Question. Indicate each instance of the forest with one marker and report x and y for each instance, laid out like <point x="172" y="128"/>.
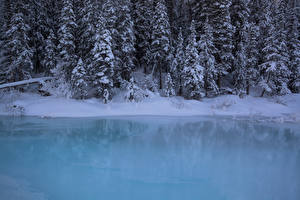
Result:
<point x="188" y="48"/>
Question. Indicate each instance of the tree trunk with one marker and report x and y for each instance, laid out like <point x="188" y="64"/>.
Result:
<point x="160" y="78"/>
<point x="180" y="87"/>
<point x="219" y="81"/>
<point x="248" y="88"/>
<point x="263" y="93"/>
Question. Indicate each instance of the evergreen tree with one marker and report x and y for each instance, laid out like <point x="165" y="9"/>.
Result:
<point x="207" y="59"/>
<point x="79" y="80"/>
<point x="222" y="32"/>
<point x="125" y="50"/>
<point x="252" y="51"/>
<point x="143" y="13"/>
<point x="39" y="30"/>
<point x="19" y="53"/>
<point x="49" y="61"/>
<point x="240" y="63"/>
<point x="169" y="88"/>
<point x="101" y="69"/>
<point x="160" y="45"/>
<point x="66" y="46"/>
<point x="239" y="20"/>
<point x="193" y="71"/>
<point x="273" y="70"/>
<point x="178" y="64"/>
<point x="86" y="30"/>
<point x="293" y="44"/>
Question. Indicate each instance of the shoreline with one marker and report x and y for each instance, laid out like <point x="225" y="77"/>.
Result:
<point x="286" y="108"/>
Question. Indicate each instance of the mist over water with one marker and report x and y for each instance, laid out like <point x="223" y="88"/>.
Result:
<point x="148" y="158"/>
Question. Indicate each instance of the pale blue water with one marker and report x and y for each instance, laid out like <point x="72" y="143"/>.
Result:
<point x="141" y="158"/>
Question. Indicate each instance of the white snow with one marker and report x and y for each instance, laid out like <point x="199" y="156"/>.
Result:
<point x="286" y="108"/>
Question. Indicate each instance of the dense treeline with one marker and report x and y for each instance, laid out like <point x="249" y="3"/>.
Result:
<point x="187" y="48"/>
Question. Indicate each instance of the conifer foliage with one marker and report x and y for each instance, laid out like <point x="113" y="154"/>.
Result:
<point x="171" y="47"/>
<point x="193" y="71"/>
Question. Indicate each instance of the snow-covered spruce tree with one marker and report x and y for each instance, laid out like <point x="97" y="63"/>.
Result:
<point x="134" y="93"/>
<point x="169" y="90"/>
<point x="101" y="69"/>
<point x="193" y="71"/>
<point x="19" y="53"/>
<point x="273" y="70"/>
<point x="222" y="32"/>
<point x="39" y="30"/>
<point x="66" y="46"/>
<point x="240" y="63"/>
<point x="86" y="30"/>
<point x="5" y="18"/>
<point x="252" y="51"/>
<point x="239" y="19"/>
<point x="142" y="15"/>
<point x="294" y="50"/>
<point x="202" y="10"/>
<point x="178" y="63"/>
<point x="125" y="51"/>
<point x="49" y="61"/>
<point x="66" y="50"/>
<point x="79" y="80"/>
<point x="160" y="46"/>
<point x="207" y="60"/>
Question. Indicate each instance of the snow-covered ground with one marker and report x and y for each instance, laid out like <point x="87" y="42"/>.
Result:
<point x="285" y="108"/>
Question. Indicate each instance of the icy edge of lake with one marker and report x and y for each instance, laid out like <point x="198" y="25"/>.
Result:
<point x="280" y="109"/>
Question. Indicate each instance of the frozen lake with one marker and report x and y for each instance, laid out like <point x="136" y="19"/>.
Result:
<point x="141" y="158"/>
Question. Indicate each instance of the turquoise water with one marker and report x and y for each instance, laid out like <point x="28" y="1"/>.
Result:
<point x="141" y="158"/>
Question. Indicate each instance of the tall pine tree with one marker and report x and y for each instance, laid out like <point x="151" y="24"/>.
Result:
<point x="160" y="46"/>
<point x="193" y="71"/>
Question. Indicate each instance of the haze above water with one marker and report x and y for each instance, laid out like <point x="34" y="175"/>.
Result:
<point x="141" y="158"/>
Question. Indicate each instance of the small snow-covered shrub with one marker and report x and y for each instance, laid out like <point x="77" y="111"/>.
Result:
<point x="169" y="90"/>
<point x="15" y="110"/>
<point x="57" y="88"/>
<point x="134" y="93"/>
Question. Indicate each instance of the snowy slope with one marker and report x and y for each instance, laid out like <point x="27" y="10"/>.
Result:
<point x="285" y="108"/>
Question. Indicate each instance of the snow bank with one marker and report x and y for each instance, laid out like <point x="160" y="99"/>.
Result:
<point x="285" y="108"/>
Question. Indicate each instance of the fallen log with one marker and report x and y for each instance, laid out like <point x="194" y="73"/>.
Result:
<point x="26" y="82"/>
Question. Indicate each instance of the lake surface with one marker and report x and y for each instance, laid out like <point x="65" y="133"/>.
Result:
<point x="141" y="158"/>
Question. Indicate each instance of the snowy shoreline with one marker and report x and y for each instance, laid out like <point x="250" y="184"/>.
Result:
<point x="286" y="108"/>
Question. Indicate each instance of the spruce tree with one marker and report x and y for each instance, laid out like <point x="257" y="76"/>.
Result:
<point x="142" y="15"/>
<point x="178" y="64"/>
<point x="253" y="57"/>
<point x="160" y="46"/>
<point x="101" y="69"/>
<point x="273" y="70"/>
<point x="207" y="59"/>
<point x="86" y="30"/>
<point x="39" y="30"/>
<point x="222" y="32"/>
<point x="169" y="90"/>
<point x="193" y="71"/>
<point x="50" y="57"/>
<point x="79" y="80"/>
<point x="125" y="51"/>
<point x="17" y="45"/>
<point x="66" y="46"/>
<point x="293" y="44"/>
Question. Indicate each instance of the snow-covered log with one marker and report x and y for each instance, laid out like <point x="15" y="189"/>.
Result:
<point x="25" y="82"/>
